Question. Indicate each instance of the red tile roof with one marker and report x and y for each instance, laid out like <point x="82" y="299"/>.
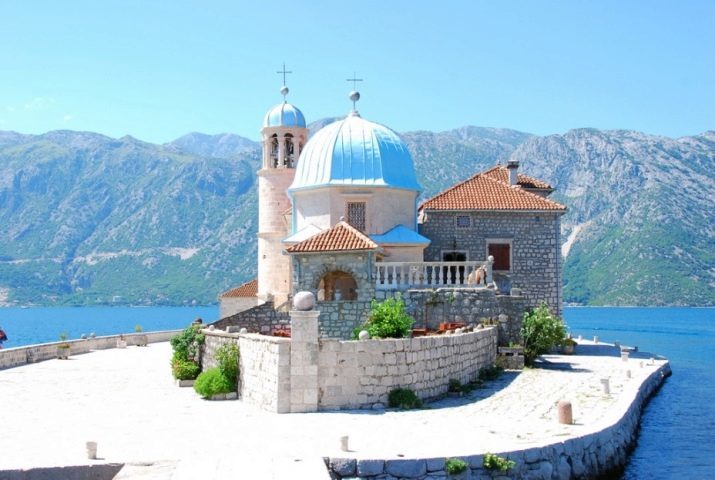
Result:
<point x="248" y="289"/>
<point x="501" y="173"/>
<point x="339" y="238"/>
<point x="484" y="192"/>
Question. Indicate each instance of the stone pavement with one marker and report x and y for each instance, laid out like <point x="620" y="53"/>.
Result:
<point x="125" y="399"/>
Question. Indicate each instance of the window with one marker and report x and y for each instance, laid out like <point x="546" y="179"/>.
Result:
<point x="502" y="255"/>
<point x="463" y="221"/>
<point x="356" y="215"/>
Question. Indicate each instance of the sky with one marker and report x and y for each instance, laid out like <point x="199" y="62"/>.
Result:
<point x="157" y="70"/>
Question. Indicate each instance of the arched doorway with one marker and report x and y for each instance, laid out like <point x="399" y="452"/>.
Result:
<point x="337" y="285"/>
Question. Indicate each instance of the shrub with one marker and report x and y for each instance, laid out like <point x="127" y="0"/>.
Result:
<point x="541" y="331"/>
<point x="455" y="386"/>
<point x="184" y="369"/>
<point x="388" y="319"/>
<point x="495" y="462"/>
<point x="187" y="344"/>
<point x="227" y="359"/>
<point x="212" y="382"/>
<point x="455" y="466"/>
<point x="403" y="398"/>
<point x="491" y="372"/>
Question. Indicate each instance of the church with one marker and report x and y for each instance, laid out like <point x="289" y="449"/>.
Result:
<point x="340" y="215"/>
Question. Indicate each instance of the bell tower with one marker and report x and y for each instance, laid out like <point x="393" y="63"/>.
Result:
<point x="284" y="134"/>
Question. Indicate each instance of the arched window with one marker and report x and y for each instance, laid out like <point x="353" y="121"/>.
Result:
<point x="337" y="285"/>
<point x="274" y="151"/>
<point x="288" y="162"/>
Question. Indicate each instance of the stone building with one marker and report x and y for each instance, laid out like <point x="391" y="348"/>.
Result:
<point x="339" y="217"/>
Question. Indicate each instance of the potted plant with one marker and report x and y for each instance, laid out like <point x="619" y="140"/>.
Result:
<point x="63" y="349"/>
<point x="142" y="340"/>
<point x="568" y="345"/>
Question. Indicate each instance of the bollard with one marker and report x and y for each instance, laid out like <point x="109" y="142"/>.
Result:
<point x="565" y="412"/>
<point x="91" y="450"/>
<point x="580" y="338"/>
<point x="595" y="339"/>
<point x="344" y="443"/>
<point x="641" y="363"/>
<point x="652" y="361"/>
<point x="606" y="386"/>
<point x="628" y="374"/>
<point x="624" y="356"/>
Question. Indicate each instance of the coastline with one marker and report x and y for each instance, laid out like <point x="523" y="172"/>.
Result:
<point x="514" y="415"/>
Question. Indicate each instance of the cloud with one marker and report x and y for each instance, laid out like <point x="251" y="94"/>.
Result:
<point x="67" y="118"/>
<point x="39" y="103"/>
<point x="9" y="108"/>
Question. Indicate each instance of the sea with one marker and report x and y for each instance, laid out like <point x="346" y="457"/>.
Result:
<point x="677" y="432"/>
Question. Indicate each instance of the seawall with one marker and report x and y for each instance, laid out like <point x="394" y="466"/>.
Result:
<point x="592" y="454"/>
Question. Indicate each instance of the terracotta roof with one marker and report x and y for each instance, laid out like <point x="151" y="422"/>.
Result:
<point x="501" y="173"/>
<point x="248" y="289"/>
<point x="483" y="192"/>
<point x="339" y="238"/>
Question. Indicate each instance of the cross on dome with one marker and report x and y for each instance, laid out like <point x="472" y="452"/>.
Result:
<point x="354" y="95"/>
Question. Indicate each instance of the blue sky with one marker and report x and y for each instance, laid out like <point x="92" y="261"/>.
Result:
<point x="157" y="70"/>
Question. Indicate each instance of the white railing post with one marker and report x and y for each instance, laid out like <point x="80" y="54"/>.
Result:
<point x="490" y="263"/>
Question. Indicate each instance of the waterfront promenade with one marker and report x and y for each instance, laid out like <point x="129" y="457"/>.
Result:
<point x="125" y="399"/>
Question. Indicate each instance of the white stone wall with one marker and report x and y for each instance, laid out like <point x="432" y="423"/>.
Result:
<point x="359" y="374"/>
<point x="273" y="266"/>
<point x="385" y="207"/>
<point x="264" y="364"/>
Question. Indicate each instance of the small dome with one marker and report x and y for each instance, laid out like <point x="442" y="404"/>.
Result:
<point x="284" y="115"/>
<point x="355" y="151"/>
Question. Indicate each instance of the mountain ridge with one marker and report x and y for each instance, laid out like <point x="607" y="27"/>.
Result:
<point x="89" y="218"/>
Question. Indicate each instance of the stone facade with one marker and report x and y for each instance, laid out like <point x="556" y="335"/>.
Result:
<point x="535" y="240"/>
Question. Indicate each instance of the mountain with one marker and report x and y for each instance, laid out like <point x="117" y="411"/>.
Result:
<point x="91" y="219"/>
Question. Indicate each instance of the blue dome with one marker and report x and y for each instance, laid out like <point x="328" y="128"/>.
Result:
<point x="356" y="152"/>
<point x="284" y="115"/>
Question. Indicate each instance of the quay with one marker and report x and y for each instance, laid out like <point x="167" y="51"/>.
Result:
<point x="147" y="427"/>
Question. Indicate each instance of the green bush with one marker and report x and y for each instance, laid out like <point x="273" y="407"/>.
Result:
<point x="491" y="372"/>
<point x="227" y="359"/>
<point x="184" y="369"/>
<point x="403" y="398"/>
<point x="388" y="319"/>
<point x="455" y="386"/>
<point x="187" y="344"/>
<point x="541" y="331"/>
<point x="455" y="466"/>
<point x="212" y="382"/>
<point x="495" y="462"/>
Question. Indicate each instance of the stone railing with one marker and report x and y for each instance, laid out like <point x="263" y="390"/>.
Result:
<point x="13" y="357"/>
<point x="404" y="275"/>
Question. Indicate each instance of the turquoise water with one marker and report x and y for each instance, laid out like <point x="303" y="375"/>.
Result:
<point x="27" y="326"/>
<point x="677" y="438"/>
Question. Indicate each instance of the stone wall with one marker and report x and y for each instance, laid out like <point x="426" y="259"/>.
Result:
<point x="260" y="319"/>
<point x="594" y="455"/>
<point x="338" y="319"/>
<point x="264" y="365"/>
<point x="535" y="248"/>
<point x="360" y="374"/>
<point x="13" y="357"/>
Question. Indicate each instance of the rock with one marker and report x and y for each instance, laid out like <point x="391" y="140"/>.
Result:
<point x="370" y="467"/>
<point x="343" y="466"/>
<point x="303" y="301"/>
<point x="364" y="335"/>
<point x="406" y="468"/>
<point x="378" y="406"/>
<point x="435" y="464"/>
<point x="564" y="469"/>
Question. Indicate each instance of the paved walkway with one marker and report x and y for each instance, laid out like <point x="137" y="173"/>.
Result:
<point x="125" y="400"/>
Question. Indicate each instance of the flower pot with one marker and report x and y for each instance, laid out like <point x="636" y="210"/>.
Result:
<point x="63" y="352"/>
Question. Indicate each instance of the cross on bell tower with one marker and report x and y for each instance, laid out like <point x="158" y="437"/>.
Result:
<point x="284" y="88"/>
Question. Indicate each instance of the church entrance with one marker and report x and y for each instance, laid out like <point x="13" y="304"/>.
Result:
<point x="337" y="285"/>
<point x="455" y="274"/>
